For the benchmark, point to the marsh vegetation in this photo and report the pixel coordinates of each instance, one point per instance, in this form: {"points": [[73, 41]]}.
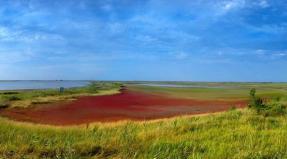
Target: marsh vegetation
{"points": [[258, 131]]}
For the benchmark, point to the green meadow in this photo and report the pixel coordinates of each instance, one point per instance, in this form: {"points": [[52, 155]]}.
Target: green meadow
{"points": [[237, 133], [218, 91]]}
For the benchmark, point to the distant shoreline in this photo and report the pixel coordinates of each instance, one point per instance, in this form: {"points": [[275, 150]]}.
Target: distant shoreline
{"points": [[26, 85]]}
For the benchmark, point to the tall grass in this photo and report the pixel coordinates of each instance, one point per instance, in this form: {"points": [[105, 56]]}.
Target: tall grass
{"points": [[233, 134]]}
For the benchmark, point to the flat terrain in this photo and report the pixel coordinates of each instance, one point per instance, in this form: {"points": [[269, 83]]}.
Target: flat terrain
{"points": [[136, 101], [235, 133], [126, 105], [211, 91]]}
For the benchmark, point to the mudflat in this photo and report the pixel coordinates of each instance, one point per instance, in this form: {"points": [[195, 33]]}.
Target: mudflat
{"points": [[127, 105]]}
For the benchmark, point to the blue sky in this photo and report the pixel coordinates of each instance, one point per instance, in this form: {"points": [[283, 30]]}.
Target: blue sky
{"points": [[190, 40]]}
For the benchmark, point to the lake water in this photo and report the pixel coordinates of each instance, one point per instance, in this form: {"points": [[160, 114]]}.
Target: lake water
{"points": [[22, 85]]}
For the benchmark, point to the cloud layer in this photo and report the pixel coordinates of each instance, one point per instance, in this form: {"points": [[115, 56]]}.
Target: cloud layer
{"points": [[135, 39]]}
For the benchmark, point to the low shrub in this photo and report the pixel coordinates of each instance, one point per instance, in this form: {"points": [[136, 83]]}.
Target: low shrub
{"points": [[276, 109], [264, 108], [9, 93], [4, 104], [12, 98]]}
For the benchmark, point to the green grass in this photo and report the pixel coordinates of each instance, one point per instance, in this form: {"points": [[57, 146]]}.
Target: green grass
{"points": [[29, 98], [221, 84], [234, 134], [226, 91]]}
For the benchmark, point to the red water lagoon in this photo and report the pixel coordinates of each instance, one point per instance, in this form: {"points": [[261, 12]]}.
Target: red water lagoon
{"points": [[127, 105]]}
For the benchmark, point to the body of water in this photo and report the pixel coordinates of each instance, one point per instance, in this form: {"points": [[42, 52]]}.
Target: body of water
{"points": [[23, 85]]}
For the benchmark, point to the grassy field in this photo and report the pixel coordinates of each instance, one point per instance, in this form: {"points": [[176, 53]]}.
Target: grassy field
{"points": [[218, 91], [27, 98], [232, 134]]}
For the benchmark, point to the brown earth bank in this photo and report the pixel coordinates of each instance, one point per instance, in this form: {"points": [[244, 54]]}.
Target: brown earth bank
{"points": [[128, 105]]}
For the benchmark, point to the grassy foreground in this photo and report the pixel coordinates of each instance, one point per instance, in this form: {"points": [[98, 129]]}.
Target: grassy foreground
{"points": [[233, 134]]}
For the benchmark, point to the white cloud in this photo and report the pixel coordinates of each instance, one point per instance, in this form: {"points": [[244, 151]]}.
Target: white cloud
{"points": [[146, 38], [107, 7], [6, 34], [214, 61], [263, 3], [237, 4], [152, 20], [12, 35], [223, 7], [180, 55], [270, 54], [14, 57], [260, 52], [116, 28], [282, 54], [227, 6]]}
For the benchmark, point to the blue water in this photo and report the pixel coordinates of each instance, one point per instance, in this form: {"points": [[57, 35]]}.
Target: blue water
{"points": [[22, 85]]}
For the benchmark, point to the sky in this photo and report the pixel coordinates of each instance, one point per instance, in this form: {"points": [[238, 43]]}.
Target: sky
{"points": [[182, 40]]}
